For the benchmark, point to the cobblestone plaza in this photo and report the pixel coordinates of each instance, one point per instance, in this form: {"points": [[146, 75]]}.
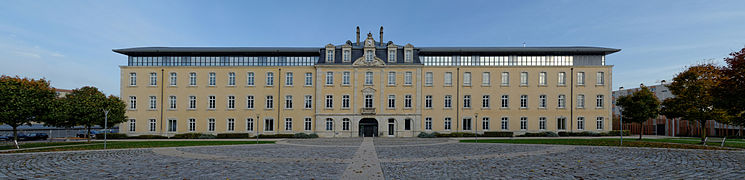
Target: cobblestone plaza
{"points": [[378, 158]]}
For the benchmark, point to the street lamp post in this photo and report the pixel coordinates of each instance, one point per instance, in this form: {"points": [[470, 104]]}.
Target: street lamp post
{"points": [[476, 120], [620, 115], [106, 126], [257, 129]]}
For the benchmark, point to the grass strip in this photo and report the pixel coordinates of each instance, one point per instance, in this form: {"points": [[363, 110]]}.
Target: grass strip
{"points": [[41, 144], [597, 142], [141, 144]]}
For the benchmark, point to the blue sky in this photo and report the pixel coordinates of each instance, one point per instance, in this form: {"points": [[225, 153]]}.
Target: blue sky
{"points": [[70, 42]]}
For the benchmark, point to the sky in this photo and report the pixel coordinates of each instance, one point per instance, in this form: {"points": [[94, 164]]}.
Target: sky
{"points": [[69, 42]]}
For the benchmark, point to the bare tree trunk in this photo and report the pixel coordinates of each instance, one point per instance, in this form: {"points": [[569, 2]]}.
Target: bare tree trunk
{"points": [[15, 136], [88, 133], [703, 132]]}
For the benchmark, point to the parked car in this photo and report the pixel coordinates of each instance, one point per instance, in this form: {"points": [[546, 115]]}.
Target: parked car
{"points": [[81, 133], [34, 136], [6, 137]]}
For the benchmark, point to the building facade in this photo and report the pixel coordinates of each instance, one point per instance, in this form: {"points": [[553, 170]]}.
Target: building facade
{"points": [[366, 88]]}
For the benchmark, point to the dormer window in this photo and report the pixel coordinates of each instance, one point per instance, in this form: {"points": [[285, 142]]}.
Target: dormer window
{"points": [[347, 56], [408, 56], [369, 56], [330, 56], [392, 56]]}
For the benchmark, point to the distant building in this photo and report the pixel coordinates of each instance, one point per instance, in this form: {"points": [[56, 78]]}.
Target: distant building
{"points": [[62, 92]]}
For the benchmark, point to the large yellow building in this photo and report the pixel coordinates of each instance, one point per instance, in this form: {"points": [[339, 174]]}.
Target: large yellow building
{"points": [[365, 88]]}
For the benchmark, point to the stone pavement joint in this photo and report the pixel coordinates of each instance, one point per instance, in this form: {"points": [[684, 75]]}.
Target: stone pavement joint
{"points": [[365, 164]]}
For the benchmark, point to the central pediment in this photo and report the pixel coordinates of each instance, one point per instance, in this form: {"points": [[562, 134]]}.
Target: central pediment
{"points": [[364, 62]]}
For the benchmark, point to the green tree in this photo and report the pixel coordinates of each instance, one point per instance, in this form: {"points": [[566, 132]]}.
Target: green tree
{"points": [[693, 96], [85, 107], [23, 101], [730, 92], [639, 107]]}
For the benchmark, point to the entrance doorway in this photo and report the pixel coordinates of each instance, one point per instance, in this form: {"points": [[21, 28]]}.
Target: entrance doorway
{"points": [[368, 127]]}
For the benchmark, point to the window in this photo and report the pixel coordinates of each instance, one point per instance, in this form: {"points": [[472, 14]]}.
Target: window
{"points": [[391, 101], [172, 102], [211, 79], [250, 79], [485, 123], [345, 101], [485, 79], [542, 123], [211, 102], [561, 101], [369, 55], [329, 78], [523, 123], [270, 79], [428, 79], [131, 125], [408, 55], [448, 79], [542, 101], [268, 124], [172, 125], [329, 124], [466, 124], [288, 102], [428, 123], [600, 78], [428, 101], [407, 124], [524, 78], [231, 79], [133, 79], [505, 78], [561, 123], [580, 123], [505, 101], [562, 78], [288, 124], [599, 101], [249, 124], [542, 78], [153, 79], [249, 102], [581, 101], [368, 78], [505, 121], [448, 101], [447, 123], [192, 79], [132, 102], [329, 56], [308, 124], [329, 101], [580, 78], [269, 102], [485, 101], [231, 102], [288, 79], [345, 78], [368, 101], [345, 124], [467, 79], [407, 101], [231, 124], [308, 79], [152, 125], [599, 123], [392, 56], [391, 78], [523, 101], [153, 102], [173, 79], [347, 56], [192, 125], [407, 78], [308, 102], [467, 101]]}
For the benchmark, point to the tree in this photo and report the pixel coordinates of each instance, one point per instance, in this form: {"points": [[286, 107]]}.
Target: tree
{"points": [[639, 107], [23, 101], [85, 107], [730, 92], [693, 96]]}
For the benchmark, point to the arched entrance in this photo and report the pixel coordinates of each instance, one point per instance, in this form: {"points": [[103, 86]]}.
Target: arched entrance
{"points": [[368, 127]]}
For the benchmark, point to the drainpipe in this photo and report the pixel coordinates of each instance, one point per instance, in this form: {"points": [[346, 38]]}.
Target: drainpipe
{"points": [[279, 98], [457, 99], [571, 100]]}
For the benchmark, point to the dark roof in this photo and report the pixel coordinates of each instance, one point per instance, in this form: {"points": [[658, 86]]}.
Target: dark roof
{"points": [[188, 51], [516, 50]]}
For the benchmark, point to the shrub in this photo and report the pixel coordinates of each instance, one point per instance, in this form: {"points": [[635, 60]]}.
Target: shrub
{"points": [[427, 135], [194, 136], [498, 134], [150, 137], [232, 135], [616, 132], [540, 134], [456, 134], [113, 136], [584, 133], [305, 136], [276, 135]]}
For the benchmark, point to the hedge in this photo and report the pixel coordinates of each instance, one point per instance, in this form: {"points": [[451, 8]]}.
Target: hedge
{"points": [[305, 136], [193, 136], [456, 134], [276, 135], [586, 133], [113, 136], [149, 137], [232, 135], [498, 134], [427, 135], [540, 134]]}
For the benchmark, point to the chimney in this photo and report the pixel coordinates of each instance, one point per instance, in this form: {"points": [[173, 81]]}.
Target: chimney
{"points": [[381, 36], [358, 35]]}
